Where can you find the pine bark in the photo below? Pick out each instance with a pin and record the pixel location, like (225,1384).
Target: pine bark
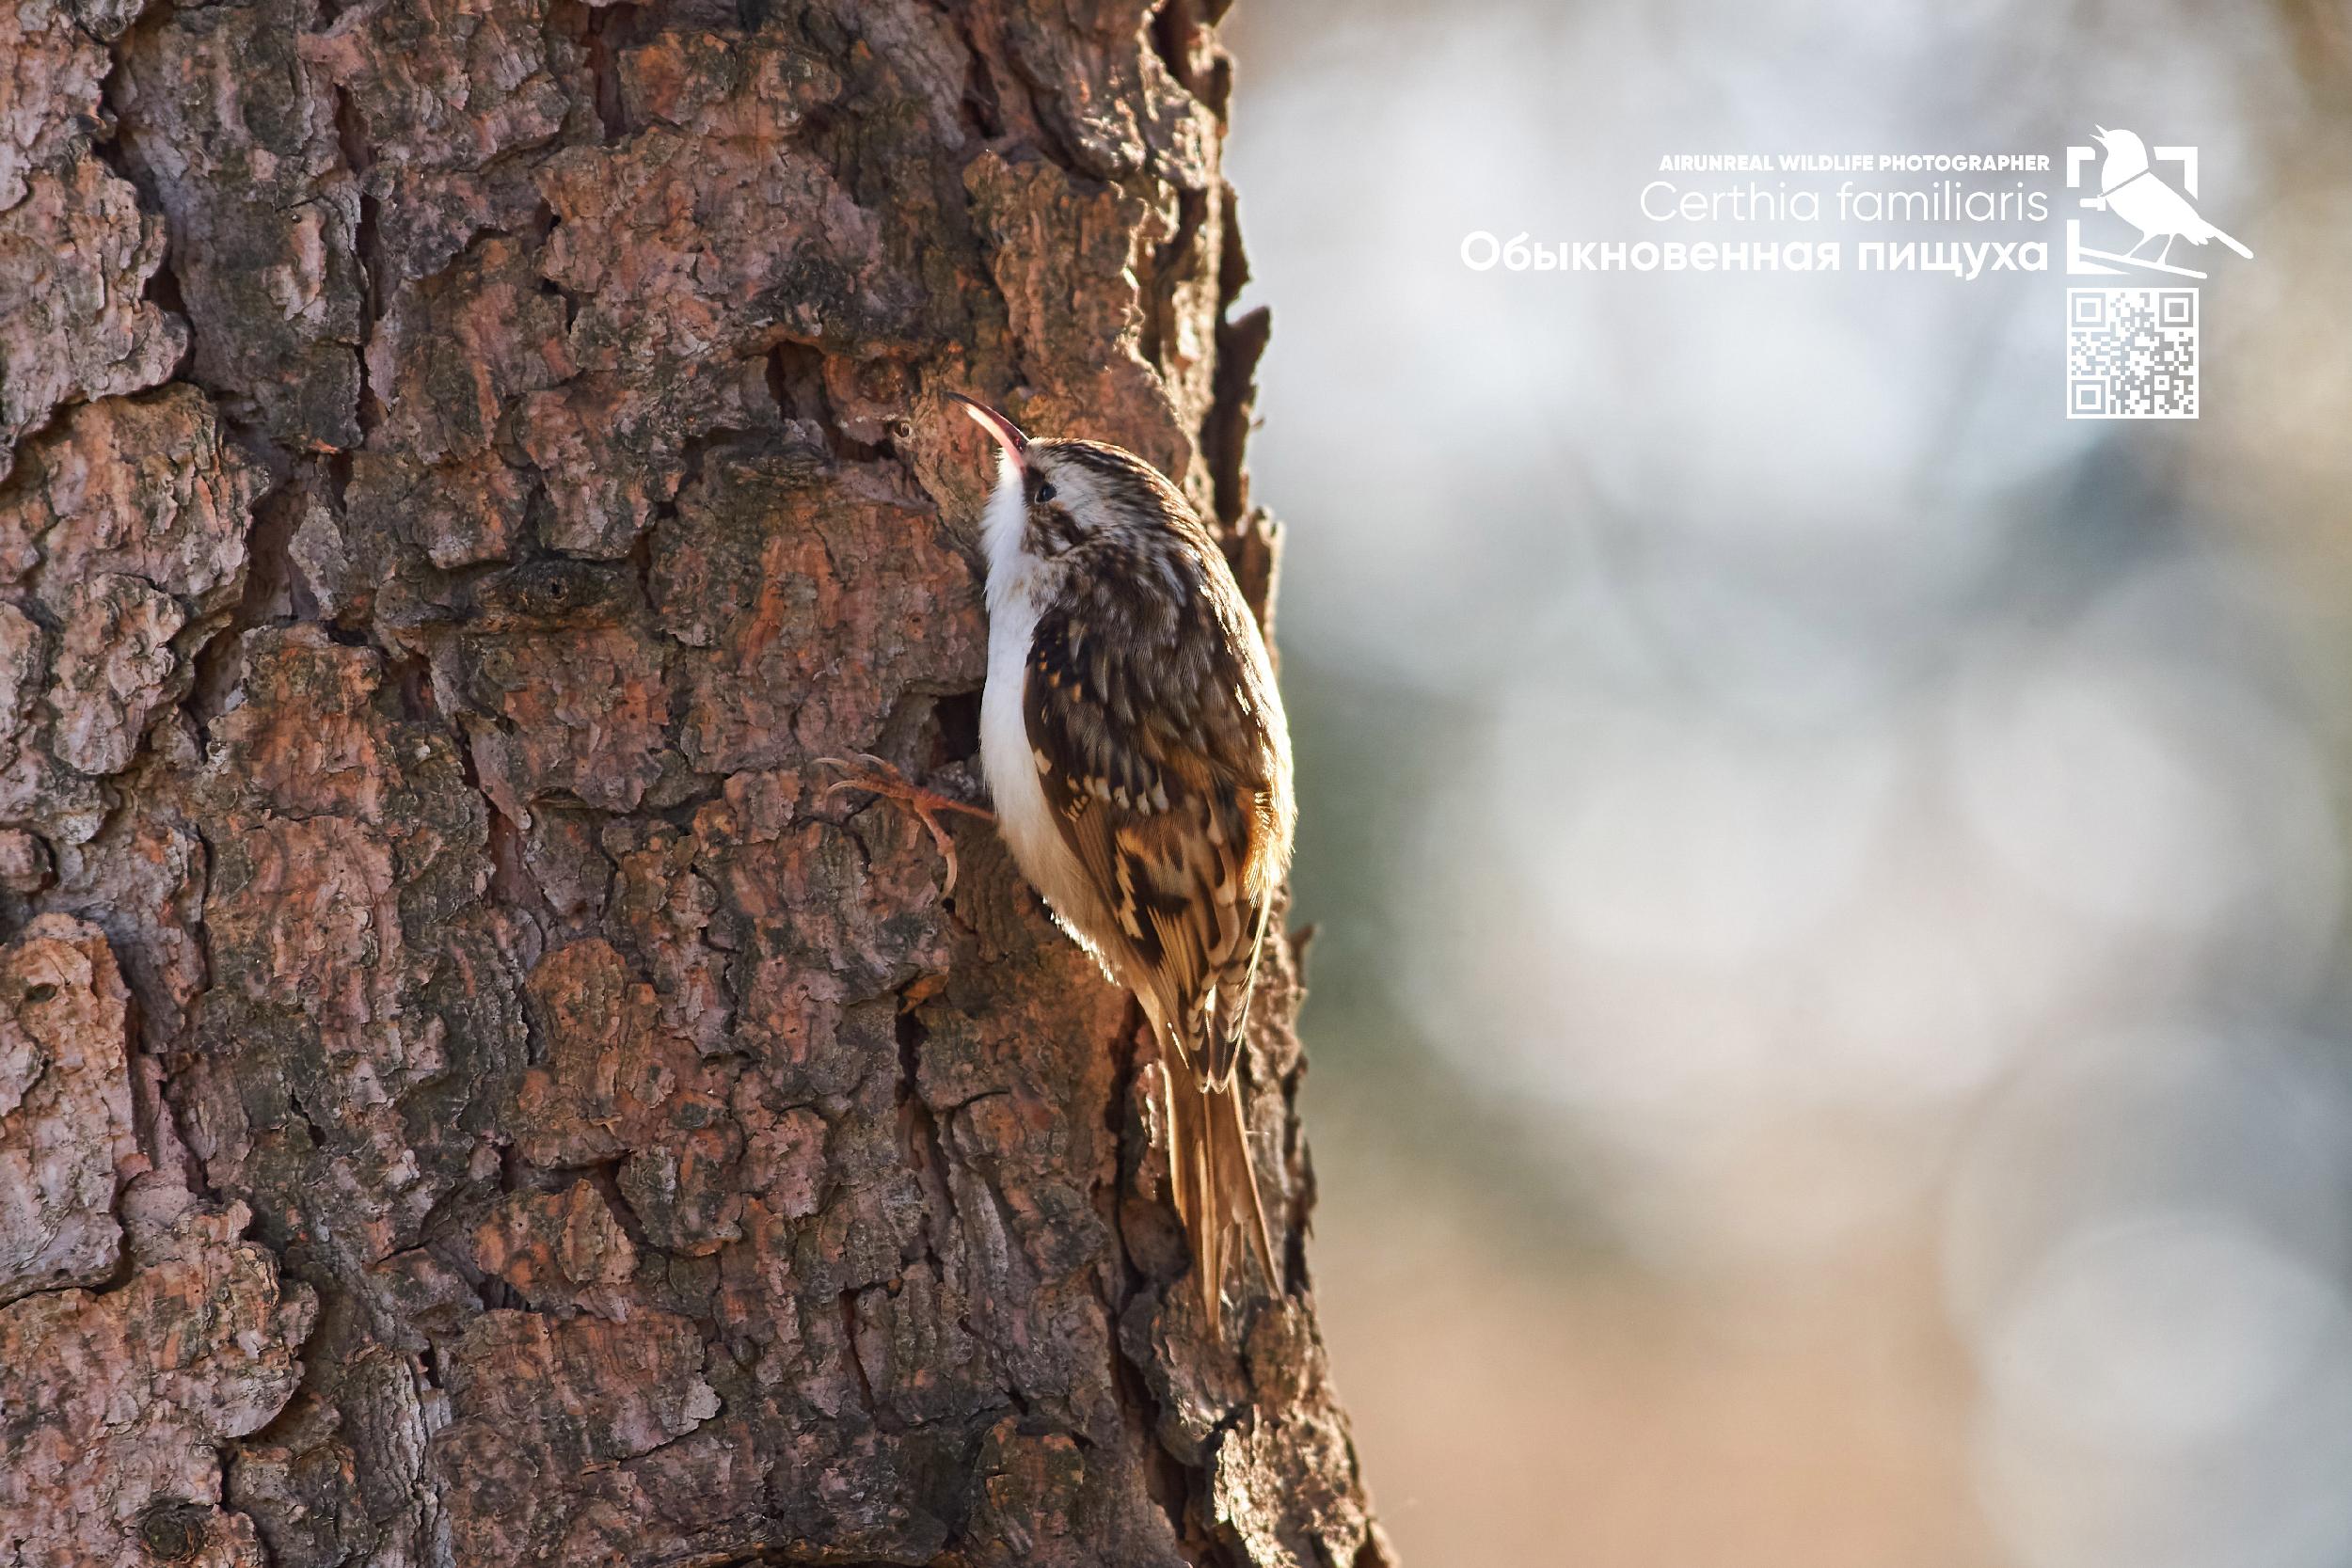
(468,1095)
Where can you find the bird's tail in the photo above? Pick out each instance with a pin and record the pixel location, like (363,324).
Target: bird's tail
(1217,1185)
(2232,243)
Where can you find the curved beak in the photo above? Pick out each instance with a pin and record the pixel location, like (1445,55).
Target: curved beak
(2099,134)
(1007,434)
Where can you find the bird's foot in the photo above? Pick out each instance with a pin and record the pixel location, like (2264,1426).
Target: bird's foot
(876,776)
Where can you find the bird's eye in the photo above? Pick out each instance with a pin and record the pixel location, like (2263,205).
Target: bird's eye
(1044,494)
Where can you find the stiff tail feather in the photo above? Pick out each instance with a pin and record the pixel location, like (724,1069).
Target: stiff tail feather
(2232,243)
(1216,1186)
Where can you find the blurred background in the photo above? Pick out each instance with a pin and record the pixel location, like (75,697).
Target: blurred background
(1832,1022)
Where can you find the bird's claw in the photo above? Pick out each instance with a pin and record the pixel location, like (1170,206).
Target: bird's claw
(876,776)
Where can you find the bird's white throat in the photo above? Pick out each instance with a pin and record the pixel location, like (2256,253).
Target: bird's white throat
(1004,539)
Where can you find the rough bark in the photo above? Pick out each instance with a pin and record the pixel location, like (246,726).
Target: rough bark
(467,1094)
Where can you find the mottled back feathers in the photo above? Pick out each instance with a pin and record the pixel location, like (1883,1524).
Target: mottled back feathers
(1159,738)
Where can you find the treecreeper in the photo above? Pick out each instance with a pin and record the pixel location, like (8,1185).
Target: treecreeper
(1133,740)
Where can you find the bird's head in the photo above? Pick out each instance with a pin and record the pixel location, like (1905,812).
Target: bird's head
(2124,146)
(1065,492)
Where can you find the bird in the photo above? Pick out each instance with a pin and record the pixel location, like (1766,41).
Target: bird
(1134,745)
(2133,192)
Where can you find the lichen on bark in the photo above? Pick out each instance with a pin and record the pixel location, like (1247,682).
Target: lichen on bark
(468,1094)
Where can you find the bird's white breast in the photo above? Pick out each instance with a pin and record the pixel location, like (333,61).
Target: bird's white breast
(1017,582)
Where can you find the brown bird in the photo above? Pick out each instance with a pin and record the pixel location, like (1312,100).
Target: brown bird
(1136,750)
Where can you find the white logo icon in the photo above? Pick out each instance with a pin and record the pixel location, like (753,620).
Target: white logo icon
(2131,189)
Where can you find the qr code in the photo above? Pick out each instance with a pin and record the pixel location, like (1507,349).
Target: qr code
(2131,354)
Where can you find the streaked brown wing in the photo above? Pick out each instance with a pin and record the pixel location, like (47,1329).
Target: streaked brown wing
(1148,717)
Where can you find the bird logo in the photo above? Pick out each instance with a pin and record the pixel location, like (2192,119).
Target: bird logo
(2130,188)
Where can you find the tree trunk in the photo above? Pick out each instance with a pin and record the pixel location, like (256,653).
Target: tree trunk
(468,1095)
